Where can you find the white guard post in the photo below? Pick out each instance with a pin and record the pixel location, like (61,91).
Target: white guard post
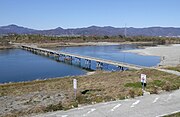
(143,81)
(75,87)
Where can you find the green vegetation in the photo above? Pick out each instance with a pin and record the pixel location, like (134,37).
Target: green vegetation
(133,85)
(99,87)
(173,115)
(176,68)
(53,39)
(54,107)
(4,43)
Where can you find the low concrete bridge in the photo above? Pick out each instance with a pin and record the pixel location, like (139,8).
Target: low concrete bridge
(68,57)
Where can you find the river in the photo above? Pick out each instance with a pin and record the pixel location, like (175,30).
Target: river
(19,65)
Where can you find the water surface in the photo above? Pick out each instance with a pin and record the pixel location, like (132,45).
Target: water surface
(115,53)
(19,65)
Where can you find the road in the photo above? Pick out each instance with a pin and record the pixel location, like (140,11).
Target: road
(143,106)
(170,71)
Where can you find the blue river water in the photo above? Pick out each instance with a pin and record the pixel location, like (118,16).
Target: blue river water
(19,65)
(114,53)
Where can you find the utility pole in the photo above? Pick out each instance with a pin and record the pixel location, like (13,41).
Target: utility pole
(125,31)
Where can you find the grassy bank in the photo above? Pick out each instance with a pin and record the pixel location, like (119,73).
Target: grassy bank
(176,68)
(99,87)
(174,115)
(5,47)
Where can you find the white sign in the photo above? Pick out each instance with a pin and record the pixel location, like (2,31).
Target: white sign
(143,78)
(75,83)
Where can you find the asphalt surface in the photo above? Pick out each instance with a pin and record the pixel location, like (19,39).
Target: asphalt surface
(170,71)
(144,106)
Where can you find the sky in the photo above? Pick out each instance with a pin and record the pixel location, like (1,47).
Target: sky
(49,14)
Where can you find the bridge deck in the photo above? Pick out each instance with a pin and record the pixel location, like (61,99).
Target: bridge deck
(116,63)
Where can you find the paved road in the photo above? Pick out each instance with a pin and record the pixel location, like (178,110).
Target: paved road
(144,106)
(170,71)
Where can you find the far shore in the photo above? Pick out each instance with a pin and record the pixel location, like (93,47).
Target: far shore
(170,54)
(70,44)
(5,47)
(62,44)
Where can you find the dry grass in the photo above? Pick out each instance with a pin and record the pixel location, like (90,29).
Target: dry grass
(105,83)
(174,115)
(99,87)
(176,68)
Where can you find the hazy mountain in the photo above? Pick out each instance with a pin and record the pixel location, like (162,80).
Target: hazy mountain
(15,29)
(93,31)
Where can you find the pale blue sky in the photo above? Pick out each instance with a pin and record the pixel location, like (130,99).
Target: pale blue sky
(47,14)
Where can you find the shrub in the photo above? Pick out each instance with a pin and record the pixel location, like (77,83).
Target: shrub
(158,83)
(131,93)
(120,96)
(54,107)
(133,85)
(154,90)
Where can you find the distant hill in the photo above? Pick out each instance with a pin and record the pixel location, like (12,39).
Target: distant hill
(94,31)
(15,29)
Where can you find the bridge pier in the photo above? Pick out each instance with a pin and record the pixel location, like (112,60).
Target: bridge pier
(88,63)
(99,65)
(56,57)
(78,61)
(68,59)
(62,57)
(121,68)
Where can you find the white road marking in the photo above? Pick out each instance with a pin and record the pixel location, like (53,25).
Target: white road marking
(126,100)
(135,103)
(64,115)
(168,113)
(155,100)
(169,97)
(61,115)
(116,107)
(89,112)
(51,114)
(80,108)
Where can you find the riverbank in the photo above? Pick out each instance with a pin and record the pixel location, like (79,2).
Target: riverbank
(63,44)
(170,54)
(29,98)
(6,47)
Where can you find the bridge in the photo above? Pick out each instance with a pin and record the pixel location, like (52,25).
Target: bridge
(69,57)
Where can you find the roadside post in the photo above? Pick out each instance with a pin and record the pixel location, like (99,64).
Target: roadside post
(143,81)
(75,87)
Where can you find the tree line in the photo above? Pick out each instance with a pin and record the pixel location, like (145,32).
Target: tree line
(51,39)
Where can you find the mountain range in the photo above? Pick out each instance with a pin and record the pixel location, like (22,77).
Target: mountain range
(94,31)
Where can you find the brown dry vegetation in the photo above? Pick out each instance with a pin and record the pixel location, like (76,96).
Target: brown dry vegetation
(176,68)
(99,87)
(174,115)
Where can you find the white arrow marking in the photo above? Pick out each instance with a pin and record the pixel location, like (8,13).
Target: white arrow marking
(135,103)
(116,107)
(89,112)
(155,100)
